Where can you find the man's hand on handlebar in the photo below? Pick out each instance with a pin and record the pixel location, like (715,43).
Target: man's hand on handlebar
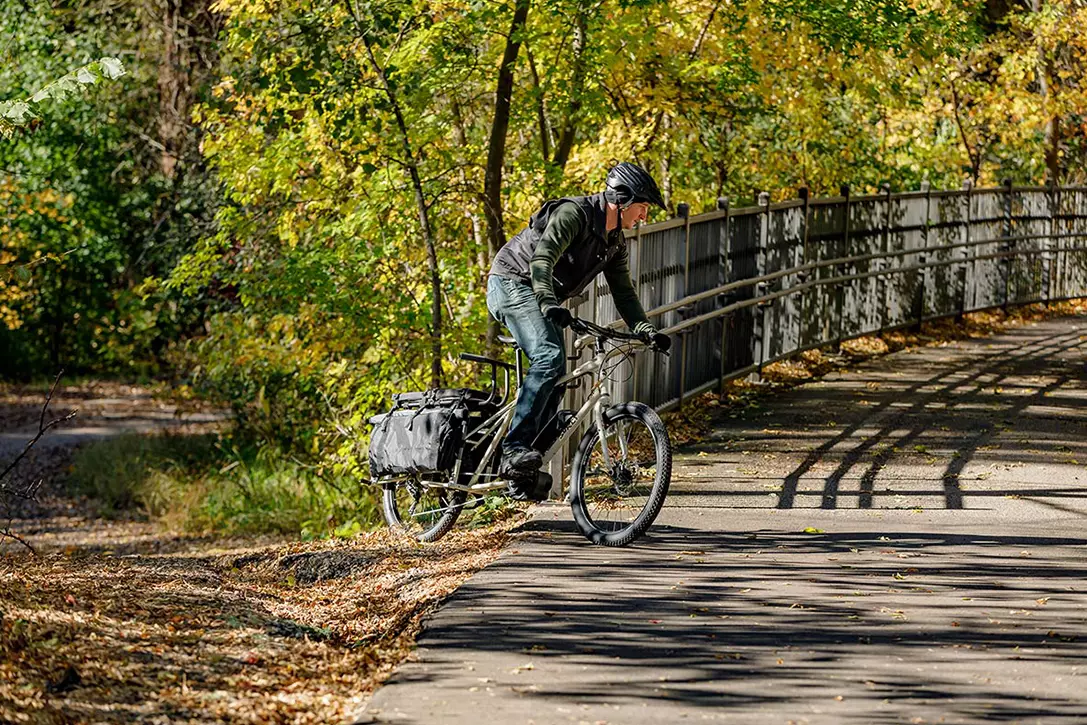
(559,316)
(660,342)
(654,340)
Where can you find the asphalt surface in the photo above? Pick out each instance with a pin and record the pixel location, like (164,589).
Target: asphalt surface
(900,543)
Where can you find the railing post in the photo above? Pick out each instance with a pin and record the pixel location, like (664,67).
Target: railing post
(763,201)
(1053,200)
(919,300)
(722,277)
(637,274)
(1056,285)
(1007,246)
(802,277)
(885,242)
(684,210)
(840,271)
(968,266)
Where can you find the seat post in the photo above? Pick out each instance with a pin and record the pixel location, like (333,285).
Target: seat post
(520,366)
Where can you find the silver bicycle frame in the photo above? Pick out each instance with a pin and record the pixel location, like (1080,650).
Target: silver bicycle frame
(597,402)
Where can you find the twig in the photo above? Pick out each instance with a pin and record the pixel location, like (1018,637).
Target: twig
(43,428)
(28,492)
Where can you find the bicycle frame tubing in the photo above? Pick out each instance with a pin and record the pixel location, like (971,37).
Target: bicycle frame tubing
(595,405)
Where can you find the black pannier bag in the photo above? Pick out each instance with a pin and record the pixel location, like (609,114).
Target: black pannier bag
(424,431)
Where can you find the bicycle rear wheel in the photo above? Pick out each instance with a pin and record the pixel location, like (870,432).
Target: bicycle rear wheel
(614,504)
(425,513)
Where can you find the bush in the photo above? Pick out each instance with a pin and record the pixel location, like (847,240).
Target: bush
(208,483)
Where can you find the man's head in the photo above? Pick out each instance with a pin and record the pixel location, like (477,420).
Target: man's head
(635,213)
(632,190)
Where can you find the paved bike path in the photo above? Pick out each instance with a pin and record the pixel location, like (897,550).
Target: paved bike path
(901,543)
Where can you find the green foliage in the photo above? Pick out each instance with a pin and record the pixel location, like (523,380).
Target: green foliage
(86,212)
(274,250)
(124,473)
(16,113)
(205,483)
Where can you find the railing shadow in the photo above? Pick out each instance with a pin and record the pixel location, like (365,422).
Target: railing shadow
(957,413)
(737,634)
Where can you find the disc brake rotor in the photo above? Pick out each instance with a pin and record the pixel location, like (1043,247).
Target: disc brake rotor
(416,492)
(622,475)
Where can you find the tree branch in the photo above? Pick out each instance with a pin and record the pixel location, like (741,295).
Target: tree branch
(29,491)
(975,161)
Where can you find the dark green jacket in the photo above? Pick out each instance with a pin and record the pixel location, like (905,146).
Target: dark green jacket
(563,248)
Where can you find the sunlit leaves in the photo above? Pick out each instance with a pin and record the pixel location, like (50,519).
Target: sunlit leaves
(15,113)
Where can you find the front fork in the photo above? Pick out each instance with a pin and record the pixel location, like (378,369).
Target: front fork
(598,418)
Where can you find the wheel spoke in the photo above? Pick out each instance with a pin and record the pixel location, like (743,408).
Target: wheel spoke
(420,510)
(621,478)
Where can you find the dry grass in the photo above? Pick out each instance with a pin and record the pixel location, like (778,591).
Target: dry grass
(297,633)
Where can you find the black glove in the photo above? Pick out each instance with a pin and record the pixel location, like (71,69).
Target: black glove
(559,316)
(661,341)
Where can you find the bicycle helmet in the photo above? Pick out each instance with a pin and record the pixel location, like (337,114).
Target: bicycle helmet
(629,183)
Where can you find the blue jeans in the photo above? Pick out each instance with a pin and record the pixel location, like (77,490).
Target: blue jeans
(514,305)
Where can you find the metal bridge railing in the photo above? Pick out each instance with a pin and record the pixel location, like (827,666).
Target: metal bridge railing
(741,288)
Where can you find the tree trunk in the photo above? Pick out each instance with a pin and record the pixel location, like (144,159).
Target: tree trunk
(1052,125)
(411,162)
(496,147)
(173,88)
(973,155)
(577,82)
(483,255)
(541,108)
(188,30)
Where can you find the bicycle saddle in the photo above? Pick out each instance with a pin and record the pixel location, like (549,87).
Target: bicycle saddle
(507,340)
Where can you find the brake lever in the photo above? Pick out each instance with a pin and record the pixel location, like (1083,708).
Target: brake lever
(647,340)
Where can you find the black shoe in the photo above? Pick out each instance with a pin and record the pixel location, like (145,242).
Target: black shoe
(527,489)
(520,463)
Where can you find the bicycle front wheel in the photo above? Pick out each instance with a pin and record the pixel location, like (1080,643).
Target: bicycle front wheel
(425,513)
(615,500)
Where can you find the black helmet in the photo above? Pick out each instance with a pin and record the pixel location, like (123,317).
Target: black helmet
(629,183)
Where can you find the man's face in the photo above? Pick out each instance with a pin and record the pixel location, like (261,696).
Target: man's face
(635,213)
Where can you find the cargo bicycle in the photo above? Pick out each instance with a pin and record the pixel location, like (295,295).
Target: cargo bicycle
(436,454)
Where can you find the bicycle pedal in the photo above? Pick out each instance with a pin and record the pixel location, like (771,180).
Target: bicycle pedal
(544,481)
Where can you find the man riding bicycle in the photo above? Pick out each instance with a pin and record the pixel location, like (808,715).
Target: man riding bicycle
(566,244)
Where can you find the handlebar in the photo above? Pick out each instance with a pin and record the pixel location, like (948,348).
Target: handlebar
(584,326)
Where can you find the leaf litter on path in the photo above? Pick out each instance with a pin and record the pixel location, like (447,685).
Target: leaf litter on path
(299,632)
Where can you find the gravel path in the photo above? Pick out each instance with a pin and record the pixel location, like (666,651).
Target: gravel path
(103,410)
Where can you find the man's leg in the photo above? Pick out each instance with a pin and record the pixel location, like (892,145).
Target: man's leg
(514,304)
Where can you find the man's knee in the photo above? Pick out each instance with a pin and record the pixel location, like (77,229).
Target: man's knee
(551,361)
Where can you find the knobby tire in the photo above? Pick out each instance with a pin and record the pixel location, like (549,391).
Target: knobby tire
(606,533)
